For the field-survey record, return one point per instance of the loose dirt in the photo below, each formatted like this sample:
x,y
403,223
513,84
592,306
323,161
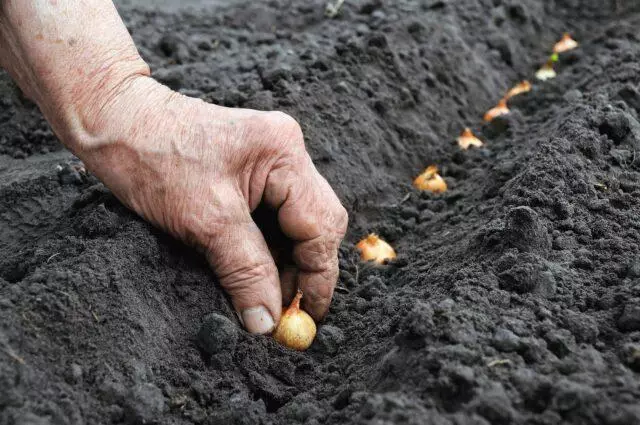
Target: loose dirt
x,y
515,298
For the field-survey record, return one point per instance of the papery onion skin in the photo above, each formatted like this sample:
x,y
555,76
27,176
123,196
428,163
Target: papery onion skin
x,y
565,44
522,87
546,72
500,109
431,181
372,248
467,139
296,329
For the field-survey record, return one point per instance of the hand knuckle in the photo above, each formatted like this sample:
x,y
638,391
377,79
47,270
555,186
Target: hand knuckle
x,y
284,118
289,128
242,277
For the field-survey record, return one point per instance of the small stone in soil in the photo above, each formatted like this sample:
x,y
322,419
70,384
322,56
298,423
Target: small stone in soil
x,y
67,175
505,340
217,333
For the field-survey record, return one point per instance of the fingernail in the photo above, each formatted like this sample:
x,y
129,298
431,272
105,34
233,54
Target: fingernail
x,y
257,320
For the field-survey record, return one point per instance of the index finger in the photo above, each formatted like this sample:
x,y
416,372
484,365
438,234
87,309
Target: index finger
x,y
310,213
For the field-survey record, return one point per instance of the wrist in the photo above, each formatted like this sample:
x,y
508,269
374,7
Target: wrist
x,y
109,132
94,119
71,58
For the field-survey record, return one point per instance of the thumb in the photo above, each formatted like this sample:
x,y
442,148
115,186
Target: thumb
x,y
246,270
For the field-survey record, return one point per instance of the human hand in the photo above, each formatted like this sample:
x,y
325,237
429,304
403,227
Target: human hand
x,y
193,169
198,171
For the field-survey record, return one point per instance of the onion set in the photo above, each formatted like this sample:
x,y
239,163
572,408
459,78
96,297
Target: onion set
x,y
372,248
296,329
522,87
467,139
500,109
430,180
546,72
565,44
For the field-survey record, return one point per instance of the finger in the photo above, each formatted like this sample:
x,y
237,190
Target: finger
x,y
280,246
240,258
317,260
288,283
311,215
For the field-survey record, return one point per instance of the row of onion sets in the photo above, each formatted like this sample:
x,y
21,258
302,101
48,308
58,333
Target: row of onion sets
x,y
372,247
297,329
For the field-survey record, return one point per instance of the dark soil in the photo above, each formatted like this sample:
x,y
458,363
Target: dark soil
x,y
516,295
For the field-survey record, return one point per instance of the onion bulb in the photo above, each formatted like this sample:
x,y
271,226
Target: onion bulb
x,y
430,180
522,87
467,139
296,329
372,248
546,72
566,43
500,109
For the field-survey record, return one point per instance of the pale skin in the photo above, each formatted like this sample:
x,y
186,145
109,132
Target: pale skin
x,y
193,169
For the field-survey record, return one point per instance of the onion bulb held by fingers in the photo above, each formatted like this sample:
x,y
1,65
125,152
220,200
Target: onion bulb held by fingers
x,y
519,88
296,329
430,180
372,248
500,109
467,139
566,43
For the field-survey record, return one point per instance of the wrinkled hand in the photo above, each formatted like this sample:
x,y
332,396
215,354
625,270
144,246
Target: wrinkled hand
x,y
198,171
193,169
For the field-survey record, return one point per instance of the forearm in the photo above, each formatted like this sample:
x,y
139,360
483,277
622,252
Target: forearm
x,y
72,57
